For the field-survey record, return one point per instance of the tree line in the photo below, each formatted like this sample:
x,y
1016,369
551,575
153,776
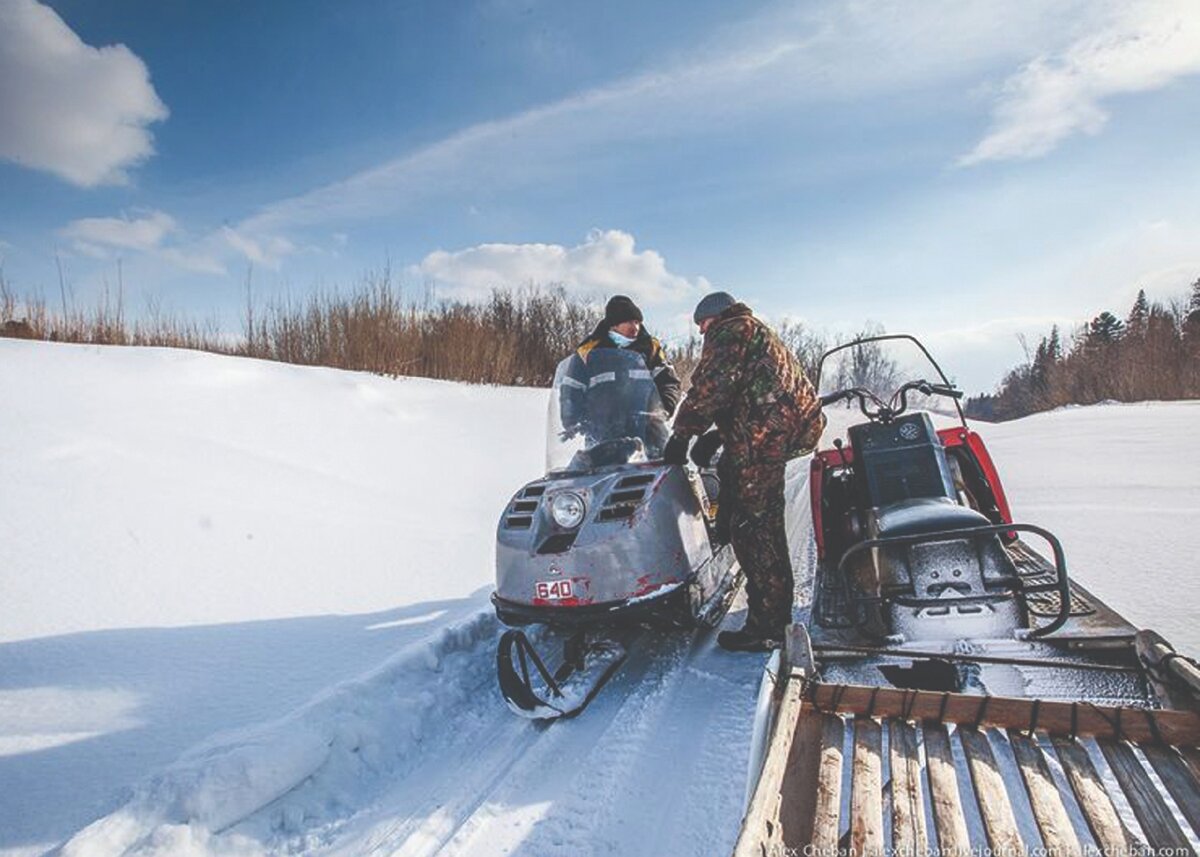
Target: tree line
x,y
1153,353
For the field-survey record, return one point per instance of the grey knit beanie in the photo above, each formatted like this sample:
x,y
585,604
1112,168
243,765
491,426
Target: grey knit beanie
x,y
713,304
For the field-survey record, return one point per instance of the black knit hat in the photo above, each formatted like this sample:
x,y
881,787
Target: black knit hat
x,y
620,308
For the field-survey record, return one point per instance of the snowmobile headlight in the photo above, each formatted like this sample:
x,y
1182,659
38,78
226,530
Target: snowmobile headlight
x,y
568,510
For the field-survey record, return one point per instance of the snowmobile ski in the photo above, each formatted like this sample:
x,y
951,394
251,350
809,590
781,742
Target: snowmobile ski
x,y
533,691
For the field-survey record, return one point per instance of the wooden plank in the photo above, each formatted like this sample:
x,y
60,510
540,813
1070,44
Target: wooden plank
x,y
866,789
810,797
948,818
908,804
994,806
760,828
1112,838
1153,814
1177,777
1180,728
1053,823
828,805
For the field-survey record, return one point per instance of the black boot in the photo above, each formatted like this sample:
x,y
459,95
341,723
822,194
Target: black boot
x,y
748,640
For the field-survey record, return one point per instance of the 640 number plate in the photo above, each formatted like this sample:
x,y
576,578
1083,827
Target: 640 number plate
x,y
553,590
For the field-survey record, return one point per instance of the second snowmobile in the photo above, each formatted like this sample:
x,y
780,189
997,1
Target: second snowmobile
x,y
609,541
953,690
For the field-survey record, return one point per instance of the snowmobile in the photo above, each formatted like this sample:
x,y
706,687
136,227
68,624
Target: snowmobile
x,y
915,541
610,541
941,629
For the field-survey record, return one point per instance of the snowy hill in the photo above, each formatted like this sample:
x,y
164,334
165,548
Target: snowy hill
x,y
243,608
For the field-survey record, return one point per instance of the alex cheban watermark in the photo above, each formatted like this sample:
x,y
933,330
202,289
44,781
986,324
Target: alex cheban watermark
x,y
1134,850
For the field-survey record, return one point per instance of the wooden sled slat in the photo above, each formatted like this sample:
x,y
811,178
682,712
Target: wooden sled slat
x,y
1049,812
1152,812
1177,776
994,805
908,803
866,788
948,817
808,812
1093,799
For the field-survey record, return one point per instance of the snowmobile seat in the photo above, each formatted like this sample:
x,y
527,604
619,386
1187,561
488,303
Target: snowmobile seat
x,y
926,515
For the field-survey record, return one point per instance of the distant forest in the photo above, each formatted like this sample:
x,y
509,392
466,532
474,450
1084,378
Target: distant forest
x,y
1153,353
517,337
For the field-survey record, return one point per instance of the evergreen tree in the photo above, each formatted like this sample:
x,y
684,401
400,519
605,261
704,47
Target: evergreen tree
x,y
1105,329
1193,316
1138,315
1054,345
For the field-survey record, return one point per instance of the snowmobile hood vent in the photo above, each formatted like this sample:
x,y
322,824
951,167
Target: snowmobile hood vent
x,y
627,494
523,507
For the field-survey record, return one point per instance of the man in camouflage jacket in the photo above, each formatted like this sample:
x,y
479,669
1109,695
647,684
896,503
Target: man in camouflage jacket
x,y
766,412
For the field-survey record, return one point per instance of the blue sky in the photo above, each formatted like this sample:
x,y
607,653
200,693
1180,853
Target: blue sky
x,y
967,171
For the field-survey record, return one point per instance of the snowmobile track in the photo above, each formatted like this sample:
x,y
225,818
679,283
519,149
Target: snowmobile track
x,y
511,786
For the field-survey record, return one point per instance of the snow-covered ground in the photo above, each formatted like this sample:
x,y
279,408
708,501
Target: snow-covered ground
x,y
243,608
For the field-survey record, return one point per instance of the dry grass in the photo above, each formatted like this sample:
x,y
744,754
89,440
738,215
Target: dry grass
x,y
512,337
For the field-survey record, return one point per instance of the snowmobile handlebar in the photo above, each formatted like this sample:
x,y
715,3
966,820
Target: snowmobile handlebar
x,y
925,388
861,393
885,412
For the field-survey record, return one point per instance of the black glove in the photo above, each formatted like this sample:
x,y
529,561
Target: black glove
x,y
705,448
675,452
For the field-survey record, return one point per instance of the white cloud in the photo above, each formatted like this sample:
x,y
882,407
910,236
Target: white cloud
x,y
145,233
266,250
1144,46
70,109
606,263
103,237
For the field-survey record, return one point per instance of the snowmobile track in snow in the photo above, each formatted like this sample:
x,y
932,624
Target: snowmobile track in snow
x,y
649,761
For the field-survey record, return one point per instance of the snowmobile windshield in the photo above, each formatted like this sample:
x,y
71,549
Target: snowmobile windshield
x,y
604,410
882,365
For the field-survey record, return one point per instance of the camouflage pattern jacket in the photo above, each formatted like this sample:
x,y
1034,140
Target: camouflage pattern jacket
x,y
754,389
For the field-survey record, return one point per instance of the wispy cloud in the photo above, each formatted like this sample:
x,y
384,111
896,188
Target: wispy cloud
x,y
607,262
268,251
1144,46
143,233
70,109
149,234
767,66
